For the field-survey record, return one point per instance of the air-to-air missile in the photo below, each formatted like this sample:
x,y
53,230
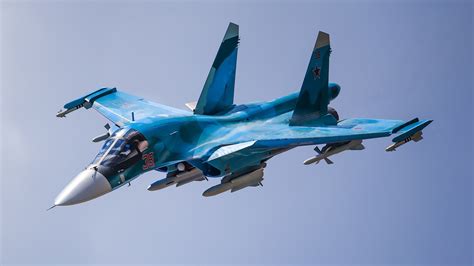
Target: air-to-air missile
x,y
332,149
179,178
253,178
415,137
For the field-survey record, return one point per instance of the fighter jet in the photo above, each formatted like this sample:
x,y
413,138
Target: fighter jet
x,y
218,139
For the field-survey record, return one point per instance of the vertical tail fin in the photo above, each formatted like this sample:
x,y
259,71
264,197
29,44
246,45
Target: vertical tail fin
x,y
313,100
218,92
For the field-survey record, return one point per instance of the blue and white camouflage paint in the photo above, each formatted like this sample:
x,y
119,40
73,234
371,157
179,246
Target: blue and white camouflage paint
x,y
218,138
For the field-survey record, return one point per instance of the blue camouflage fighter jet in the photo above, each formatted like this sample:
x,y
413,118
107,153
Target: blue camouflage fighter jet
x,y
220,139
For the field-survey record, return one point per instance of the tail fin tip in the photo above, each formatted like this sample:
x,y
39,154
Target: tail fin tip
x,y
232,31
322,40
312,104
217,95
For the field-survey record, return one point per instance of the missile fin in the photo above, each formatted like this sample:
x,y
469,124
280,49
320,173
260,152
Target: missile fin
x,y
316,149
358,147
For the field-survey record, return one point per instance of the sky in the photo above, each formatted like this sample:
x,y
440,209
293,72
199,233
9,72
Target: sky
x,y
393,59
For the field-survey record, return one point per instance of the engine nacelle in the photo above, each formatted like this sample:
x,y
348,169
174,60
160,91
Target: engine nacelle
x,y
333,91
333,112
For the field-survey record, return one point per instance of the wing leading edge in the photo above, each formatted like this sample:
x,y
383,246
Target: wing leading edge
x,y
346,130
119,107
282,136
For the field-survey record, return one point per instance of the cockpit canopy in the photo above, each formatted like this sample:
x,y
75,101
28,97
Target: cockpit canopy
x,y
121,150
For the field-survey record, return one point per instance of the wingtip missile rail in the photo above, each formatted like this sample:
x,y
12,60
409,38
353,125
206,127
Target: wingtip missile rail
x,y
410,131
415,137
84,101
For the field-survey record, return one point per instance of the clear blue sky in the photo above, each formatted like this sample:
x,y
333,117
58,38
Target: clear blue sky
x,y
394,59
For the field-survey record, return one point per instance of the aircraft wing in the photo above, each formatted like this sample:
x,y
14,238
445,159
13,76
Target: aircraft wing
x,y
119,107
277,137
350,129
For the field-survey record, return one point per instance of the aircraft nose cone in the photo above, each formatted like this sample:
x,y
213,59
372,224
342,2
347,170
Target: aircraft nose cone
x,y
87,185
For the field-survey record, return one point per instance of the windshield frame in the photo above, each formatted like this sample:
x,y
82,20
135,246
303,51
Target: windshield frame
x,y
122,140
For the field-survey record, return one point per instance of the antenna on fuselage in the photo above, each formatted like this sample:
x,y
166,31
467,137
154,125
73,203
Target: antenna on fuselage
x,y
133,116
